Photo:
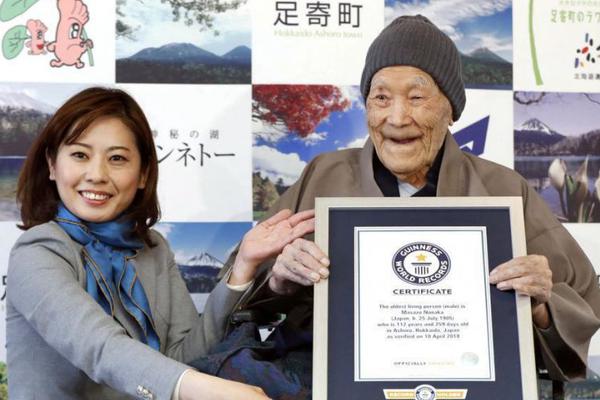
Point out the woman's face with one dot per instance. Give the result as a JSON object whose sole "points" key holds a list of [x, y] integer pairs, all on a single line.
{"points": [[98, 175]]}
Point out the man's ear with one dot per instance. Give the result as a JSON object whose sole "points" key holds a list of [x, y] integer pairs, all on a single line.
{"points": [[52, 176]]}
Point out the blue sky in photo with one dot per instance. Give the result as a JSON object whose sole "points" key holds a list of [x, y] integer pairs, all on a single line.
{"points": [[194, 238], [341, 128], [471, 24]]}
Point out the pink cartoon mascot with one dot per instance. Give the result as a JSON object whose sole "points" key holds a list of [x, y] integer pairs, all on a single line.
{"points": [[37, 31], [69, 46]]}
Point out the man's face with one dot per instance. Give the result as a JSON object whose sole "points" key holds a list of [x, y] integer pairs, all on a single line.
{"points": [[408, 116]]}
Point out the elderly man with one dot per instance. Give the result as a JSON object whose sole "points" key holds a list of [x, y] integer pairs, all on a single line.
{"points": [[413, 90]]}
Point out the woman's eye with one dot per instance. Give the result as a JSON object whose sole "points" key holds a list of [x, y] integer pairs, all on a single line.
{"points": [[79, 155], [118, 158]]}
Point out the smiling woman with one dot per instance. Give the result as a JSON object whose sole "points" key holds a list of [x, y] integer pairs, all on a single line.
{"points": [[96, 307], [98, 174], [85, 133]]}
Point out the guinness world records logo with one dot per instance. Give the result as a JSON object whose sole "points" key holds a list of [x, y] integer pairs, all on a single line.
{"points": [[425, 392], [421, 263]]}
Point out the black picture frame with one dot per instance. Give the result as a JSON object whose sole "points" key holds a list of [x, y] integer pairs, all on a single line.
{"points": [[334, 316]]}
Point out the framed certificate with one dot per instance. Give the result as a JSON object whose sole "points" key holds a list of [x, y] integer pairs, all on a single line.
{"points": [[408, 311]]}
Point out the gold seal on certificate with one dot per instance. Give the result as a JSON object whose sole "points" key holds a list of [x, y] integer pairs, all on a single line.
{"points": [[422, 304]]}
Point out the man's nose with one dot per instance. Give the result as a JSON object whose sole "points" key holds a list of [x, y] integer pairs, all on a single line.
{"points": [[399, 113]]}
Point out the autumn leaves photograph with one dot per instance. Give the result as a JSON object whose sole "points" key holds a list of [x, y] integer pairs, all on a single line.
{"points": [[291, 124]]}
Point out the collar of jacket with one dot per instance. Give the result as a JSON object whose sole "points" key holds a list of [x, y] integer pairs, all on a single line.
{"points": [[456, 175]]}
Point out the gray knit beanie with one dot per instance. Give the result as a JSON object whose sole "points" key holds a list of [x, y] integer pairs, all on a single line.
{"points": [[416, 41]]}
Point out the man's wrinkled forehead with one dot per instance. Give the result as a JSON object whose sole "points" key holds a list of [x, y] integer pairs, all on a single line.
{"points": [[418, 79]]}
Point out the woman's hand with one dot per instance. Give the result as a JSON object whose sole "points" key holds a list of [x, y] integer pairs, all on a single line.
{"points": [[267, 240], [199, 386]]}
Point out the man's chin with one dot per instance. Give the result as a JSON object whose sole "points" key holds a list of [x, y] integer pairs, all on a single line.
{"points": [[401, 162], [403, 171]]}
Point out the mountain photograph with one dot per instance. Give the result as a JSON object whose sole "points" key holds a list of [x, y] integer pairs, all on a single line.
{"points": [[484, 69], [557, 150], [21, 119], [200, 250], [533, 137], [157, 43], [200, 272], [185, 63]]}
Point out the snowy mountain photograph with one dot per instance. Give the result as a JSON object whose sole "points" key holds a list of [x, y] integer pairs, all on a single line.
{"points": [[557, 149], [200, 250]]}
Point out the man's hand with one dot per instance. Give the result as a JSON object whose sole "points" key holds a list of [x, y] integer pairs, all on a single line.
{"points": [[529, 275], [302, 262], [267, 239]]}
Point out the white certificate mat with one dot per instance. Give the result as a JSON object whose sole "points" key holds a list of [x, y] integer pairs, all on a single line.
{"points": [[422, 304]]}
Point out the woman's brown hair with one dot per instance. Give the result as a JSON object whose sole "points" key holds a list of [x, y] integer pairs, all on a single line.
{"points": [[37, 194]]}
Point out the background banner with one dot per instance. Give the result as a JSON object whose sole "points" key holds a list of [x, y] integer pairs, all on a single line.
{"points": [[242, 94]]}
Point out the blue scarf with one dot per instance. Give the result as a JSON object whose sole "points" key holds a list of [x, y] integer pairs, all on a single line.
{"points": [[107, 249]]}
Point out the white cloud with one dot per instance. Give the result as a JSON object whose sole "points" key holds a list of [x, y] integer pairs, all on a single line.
{"points": [[164, 228], [353, 94], [273, 133], [181, 257], [234, 20], [446, 14], [356, 143], [491, 42], [274, 164], [267, 132], [313, 139], [31, 92]]}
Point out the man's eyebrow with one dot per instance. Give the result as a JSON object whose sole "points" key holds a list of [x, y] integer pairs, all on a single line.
{"points": [[417, 81], [420, 81], [377, 81]]}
